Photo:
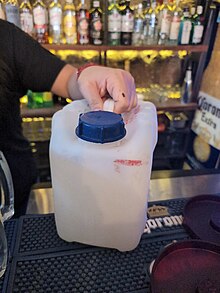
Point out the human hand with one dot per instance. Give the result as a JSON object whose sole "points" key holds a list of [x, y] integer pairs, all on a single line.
{"points": [[97, 83]]}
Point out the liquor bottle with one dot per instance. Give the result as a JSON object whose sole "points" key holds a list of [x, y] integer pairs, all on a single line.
{"points": [[2, 10], [83, 24], [114, 23], [175, 24], [26, 17], [138, 32], [127, 24], [185, 28], [12, 12], [187, 86], [171, 5], [55, 21], [69, 22], [146, 24], [152, 36], [198, 27], [192, 12], [47, 18], [165, 22], [95, 24], [40, 25]]}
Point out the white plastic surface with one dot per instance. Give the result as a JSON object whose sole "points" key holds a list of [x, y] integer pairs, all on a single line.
{"points": [[101, 190]]}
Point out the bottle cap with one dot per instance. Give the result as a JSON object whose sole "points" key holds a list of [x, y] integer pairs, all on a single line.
{"points": [[193, 10], [199, 9], [96, 4], [100, 127]]}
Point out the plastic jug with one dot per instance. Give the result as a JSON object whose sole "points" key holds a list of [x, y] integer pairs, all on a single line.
{"points": [[101, 188]]}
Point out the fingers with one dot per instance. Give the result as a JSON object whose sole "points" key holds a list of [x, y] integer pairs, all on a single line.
{"points": [[96, 82], [91, 94], [122, 89]]}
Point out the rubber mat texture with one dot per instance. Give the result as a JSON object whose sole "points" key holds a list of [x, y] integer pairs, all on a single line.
{"points": [[42, 262]]}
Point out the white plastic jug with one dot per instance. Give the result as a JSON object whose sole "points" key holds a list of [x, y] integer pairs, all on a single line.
{"points": [[101, 189]]}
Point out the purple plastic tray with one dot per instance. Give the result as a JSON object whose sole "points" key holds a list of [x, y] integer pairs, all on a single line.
{"points": [[201, 216], [190, 266]]}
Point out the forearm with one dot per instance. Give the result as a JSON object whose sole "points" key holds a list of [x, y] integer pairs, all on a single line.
{"points": [[60, 85]]}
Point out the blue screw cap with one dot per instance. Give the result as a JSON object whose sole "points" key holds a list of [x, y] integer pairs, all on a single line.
{"points": [[100, 127]]}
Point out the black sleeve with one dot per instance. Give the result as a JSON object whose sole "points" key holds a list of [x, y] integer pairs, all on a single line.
{"points": [[37, 67]]}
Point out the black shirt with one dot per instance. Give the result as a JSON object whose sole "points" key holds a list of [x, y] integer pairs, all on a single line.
{"points": [[30, 67]]}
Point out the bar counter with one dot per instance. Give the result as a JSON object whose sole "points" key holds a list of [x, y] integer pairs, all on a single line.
{"points": [[163, 185], [40, 261]]}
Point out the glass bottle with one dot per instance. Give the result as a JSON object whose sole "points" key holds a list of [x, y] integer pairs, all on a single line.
{"points": [[2, 10], [146, 24], [55, 21], [137, 36], [198, 27], [114, 23], [12, 12], [26, 17], [185, 28], [69, 22], [95, 24], [152, 37], [127, 24], [165, 22], [83, 24], [40, 25], [187, 86], [175, 24]]}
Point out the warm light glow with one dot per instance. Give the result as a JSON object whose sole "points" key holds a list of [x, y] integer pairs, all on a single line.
{"points": [[86, 54]]}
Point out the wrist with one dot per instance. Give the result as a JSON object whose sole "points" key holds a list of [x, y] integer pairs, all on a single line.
{"points": [[73, 85], [81, 68]]}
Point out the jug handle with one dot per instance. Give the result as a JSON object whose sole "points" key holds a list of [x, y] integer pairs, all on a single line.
{"points": [[7, 203]]}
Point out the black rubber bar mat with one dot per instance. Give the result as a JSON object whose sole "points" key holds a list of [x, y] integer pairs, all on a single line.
{"points": [[37, 233], [88, 270]]}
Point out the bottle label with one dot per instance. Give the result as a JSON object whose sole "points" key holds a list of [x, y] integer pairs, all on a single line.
{"points": [[127, 25], [115, 36], [198, 33], [96, 25], [165, 24], [26, 22], [69, 25], [2, 14], [96, 31], [153, 21], [138, 25], [39, 14], [185, 37], [174, 30], [12, 14], [55, 14], [83, 27], [114, 22]]}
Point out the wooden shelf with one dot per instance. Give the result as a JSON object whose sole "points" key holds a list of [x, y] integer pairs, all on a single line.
{"points": [[175, 105], [172, 105], [104, 48]]}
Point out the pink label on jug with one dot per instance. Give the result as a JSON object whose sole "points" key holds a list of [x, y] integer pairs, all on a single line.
{"points": [[129, 162]]}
